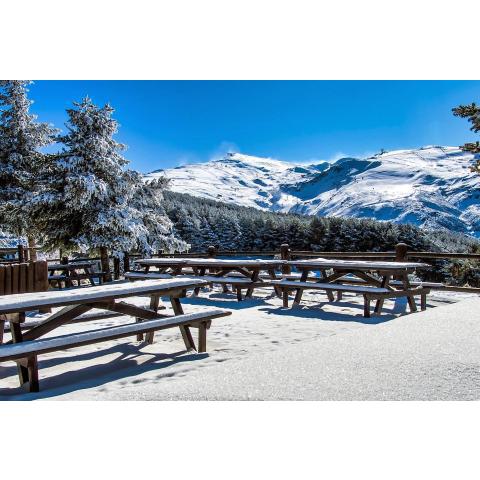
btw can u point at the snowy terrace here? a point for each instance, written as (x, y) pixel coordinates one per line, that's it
(320, 351)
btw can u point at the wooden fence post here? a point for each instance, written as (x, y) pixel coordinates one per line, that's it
(21, 254)
(401, 250)
(212, 251)
(116, 268)
(126, 262)
(105, 263)
(285, 255)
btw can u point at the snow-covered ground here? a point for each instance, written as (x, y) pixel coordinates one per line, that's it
(264, 352)
(430, 186)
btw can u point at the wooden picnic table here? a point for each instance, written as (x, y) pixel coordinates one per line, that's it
(75, 303)
(217, 268)
(391, 277)
(73, 271)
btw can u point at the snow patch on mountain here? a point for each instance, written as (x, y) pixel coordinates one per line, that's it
(431, 187)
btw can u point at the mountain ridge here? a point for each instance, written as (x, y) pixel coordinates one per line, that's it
(431, 187)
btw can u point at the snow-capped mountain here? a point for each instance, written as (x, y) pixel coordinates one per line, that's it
(430, 187)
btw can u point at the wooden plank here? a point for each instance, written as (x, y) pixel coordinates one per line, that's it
(324, 277)
(56, 320)
(358, 265)
(24, 349)
(15, 278)
(23, 278)
(2, 279)
(40, 283)
(8, 280)
(131, 310)
(30, 277)
(55, 298)
(17, 337)
(184, 330)
(202, 337)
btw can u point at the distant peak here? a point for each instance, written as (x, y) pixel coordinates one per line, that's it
(256, 162)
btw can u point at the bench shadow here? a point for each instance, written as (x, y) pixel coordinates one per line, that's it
(316, 312)
(224, 300)
(122, 367)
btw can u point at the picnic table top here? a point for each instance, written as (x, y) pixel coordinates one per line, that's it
(59, 298)
(210, 262)
(257, 262)
(71, 266)
(356, 264)
(161, 261)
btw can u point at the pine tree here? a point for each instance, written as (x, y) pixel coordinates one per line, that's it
(147, 198)
(472, 113)
(21, 162)
(86, 201)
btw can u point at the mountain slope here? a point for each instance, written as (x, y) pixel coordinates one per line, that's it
(430, 187)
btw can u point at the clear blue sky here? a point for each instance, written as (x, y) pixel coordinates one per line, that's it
(166, 123)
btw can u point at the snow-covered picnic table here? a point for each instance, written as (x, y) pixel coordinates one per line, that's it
(374, 279)
(73, 271)
(221, 270)
(75, 303)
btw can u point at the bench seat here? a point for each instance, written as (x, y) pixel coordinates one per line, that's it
(146, 276)
(25, 353)
(394, 283)
(369, 293)
(329, 286)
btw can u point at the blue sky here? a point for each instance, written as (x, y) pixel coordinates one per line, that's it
(167, 123)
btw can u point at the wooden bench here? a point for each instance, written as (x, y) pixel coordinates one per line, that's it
(59, 279)
(394, 283)
(146, 276)
(369, 293)
(25, 353)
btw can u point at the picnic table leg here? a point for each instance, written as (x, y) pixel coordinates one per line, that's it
(2, 329)
(299, 291)
(154, 301)
(410, 298)
(380, 301)
(225, 288)
(423, 302)
(273, 276)
(285, 297)
(330, 296)
(17, 337)
(202, 336)
(184, 330)
(298, 297)
(366, 306)
(253, 278)
(196, 290)
(239, 293)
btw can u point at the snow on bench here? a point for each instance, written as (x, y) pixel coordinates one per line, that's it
(369, 293)
(51, 298)
(24, 349)
(393, 282)
(227, 279)
(146, 276)
(328, 286)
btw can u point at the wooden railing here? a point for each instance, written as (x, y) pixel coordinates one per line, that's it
(400, 253)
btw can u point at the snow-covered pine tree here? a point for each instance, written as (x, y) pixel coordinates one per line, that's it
(90, 200)
(472, 113)
(147, 198)
(21, 138)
